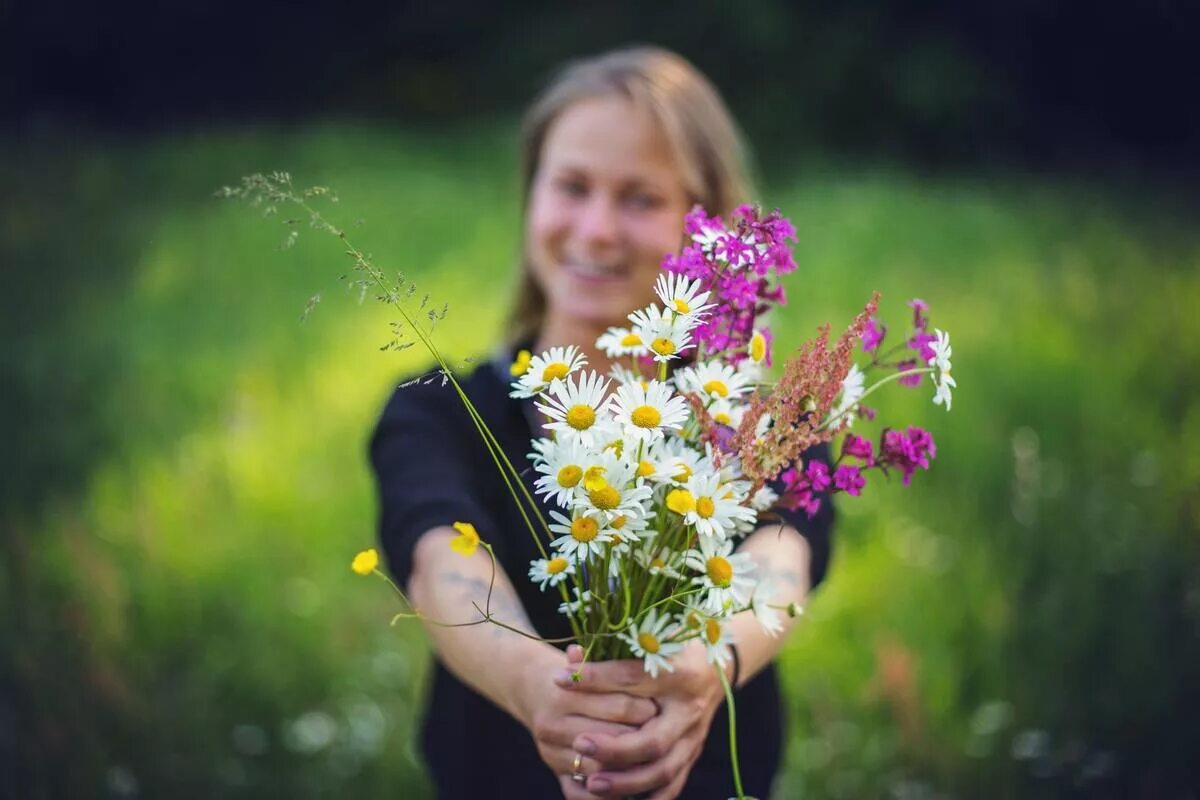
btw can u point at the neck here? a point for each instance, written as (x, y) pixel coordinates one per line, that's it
(557, 332)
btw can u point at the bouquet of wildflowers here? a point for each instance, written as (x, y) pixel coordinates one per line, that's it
(658, 468)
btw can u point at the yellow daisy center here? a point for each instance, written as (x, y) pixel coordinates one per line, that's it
(584, 529)
(657, 563)
(684, 473)
(693, 620)
(556, 565)
(619, 522)
(720, 571)
(717, 387)
(681, 306)
(758, 347)
(581, 417)
(649, 642)
(631, 340)
(605, 498)
(593, 479)
(705, 507)
(645, 469)
(569, 476)
(680, 501)
(663, 346)
(556, 369)
(646, 417)
(616, 445)
(712, 631)
(722, 418)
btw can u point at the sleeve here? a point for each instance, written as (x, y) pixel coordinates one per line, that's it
(817, 531)
(423, 451)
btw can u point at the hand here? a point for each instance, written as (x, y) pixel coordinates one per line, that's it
(659, 756)
(556, 717)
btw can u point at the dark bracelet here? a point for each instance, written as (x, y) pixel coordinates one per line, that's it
(737, 666)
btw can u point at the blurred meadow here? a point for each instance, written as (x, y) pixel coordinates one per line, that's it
(186, 477)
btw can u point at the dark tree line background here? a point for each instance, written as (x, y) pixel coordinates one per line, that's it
(1024, 81)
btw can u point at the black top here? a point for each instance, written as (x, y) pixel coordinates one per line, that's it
(432, 470)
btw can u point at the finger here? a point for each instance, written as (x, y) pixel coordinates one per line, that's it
(647, 777)
(619, 707)
(573, 790)
(675, 787)
(566, 729)
(574, 654)
(563, 761)
(649, 743)
(626, 675)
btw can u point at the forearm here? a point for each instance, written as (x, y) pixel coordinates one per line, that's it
(782, 556)
(446, 586)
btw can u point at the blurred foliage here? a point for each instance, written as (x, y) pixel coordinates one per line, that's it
(186, 482)
(940, 81)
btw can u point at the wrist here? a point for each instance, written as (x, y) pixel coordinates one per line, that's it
(533, 677)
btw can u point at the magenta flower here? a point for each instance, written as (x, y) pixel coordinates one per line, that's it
(919, 307)
(921, 342)
(859, 447)
(818, 476)
(907, 451)
(908, 380)
(872, 335)
(849, 479)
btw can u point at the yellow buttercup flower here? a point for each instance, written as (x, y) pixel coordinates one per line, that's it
(521, 365)
(365, 562)
(467, 540)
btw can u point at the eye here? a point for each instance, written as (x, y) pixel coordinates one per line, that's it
(571, 187)
(642, 201)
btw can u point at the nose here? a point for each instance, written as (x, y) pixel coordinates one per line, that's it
(598, 225)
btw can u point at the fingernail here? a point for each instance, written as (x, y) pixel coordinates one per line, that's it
(597, 784)
(586, 747)
(565, 678)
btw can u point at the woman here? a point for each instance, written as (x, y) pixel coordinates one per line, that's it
(616, 151)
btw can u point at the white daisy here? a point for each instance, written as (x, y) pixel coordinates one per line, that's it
(644, 414)
(708, 236)
(681, 295)
(646, 642)
(941, 360)
(610, 489)
(764, 498)
(725, 575)
(853, 387)
(758, 349)
(666, 333)
(726, 413)
(941, 351)
(581, 602)
(942, 393)
(575, 406)
(552, 571)
(562, 465)
(713, 380)
(553, 365)
(716, 638)
(578, 538)
(714, 508)
(768, 617)
(656, 562)
(617, 342)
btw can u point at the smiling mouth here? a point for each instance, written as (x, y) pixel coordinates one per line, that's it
(597, 271)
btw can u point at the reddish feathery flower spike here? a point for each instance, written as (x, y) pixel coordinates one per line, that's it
(803, 396)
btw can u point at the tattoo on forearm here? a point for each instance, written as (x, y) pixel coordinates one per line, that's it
(505, 606)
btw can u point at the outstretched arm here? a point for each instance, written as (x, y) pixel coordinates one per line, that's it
(513, 671)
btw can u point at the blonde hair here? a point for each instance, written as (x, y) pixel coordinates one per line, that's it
(706, 142)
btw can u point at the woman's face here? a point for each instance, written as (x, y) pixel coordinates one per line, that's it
(607, 203)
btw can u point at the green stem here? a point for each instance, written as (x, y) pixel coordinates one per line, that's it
(733, 751)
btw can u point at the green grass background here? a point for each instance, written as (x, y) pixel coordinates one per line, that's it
(186, 477)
